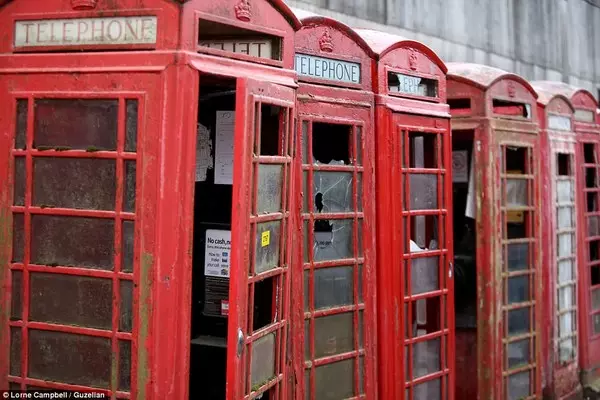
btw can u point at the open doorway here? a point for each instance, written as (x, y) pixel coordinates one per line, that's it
(465, 263)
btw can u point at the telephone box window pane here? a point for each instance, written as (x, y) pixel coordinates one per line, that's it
(596, 323)
(20, 182)
(270, 186)
(333, 192)
(518, 289)
(359, 191)
(361, 328)
(331, 144)
(16, 304)
(334, 334)
(423, 191)
(424, 275)
(333, 287)
(518, 256)
(359, 145)
(566, 350)
(518, 353)
(70, 358)
(129, 192)
(72, 241)
(81, 183)
(335, 381)
(307, 339)
(126, 318)
(267, 246)
(305, 142)
(76, 124)
(423, 150)
(566, 297)
(564, 191)
(596, 299)
(594, 226)
(306, 290)
(333, 239)
(430, 390)
(565, 244)
(518, 321)
(15, 351)
(591, 180)
(124, 365)
(516, 192)
(518, 386)
(565, 271)
(128, 245)
(21, 129)
(132, 125)
(18, 238)
(71, 300)
(426, 358)
(566, 324)
(361, 375)
(565, 219)
(263, 361)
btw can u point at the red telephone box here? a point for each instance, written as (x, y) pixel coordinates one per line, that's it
(139, 248)
(414, 246)
(560, 361)
(335, 169)
(498, 217)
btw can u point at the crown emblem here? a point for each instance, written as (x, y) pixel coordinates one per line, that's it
(412, 60)
(326, 42)
(243, 11)
(83, 4)
(512, 90)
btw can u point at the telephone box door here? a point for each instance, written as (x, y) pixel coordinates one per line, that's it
(516, 228)
(425, 266)
(257, 358)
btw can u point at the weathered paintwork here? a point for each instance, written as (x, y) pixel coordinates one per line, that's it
(480, 85)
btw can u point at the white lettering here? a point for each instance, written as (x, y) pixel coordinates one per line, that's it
(254, 48)
(86, 31)
(327, 69)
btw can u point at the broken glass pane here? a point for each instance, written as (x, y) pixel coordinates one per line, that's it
(565, 219)
(424, 275)
(263, 361)
(564, 191)
(423, 191)
(270, 186)
(565, 244)
(518, 353)
(518, 386)
(332, 191)
(426, 358)
(335, 381)
(333, 239)
(333, 287)
(334, 334)
(516, 192)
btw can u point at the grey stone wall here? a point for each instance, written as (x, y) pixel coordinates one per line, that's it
(538, 39)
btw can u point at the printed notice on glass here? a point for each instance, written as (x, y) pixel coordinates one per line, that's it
(224, 147)
(204, 160)
(216, 253)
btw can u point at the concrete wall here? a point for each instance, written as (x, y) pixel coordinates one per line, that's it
(538, 39)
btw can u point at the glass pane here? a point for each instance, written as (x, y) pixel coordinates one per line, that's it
(263, 361)
(307, 339)
(334, 334)
(430, 390)
(124, 365)
(332, 191)
(564, 217)
(81, 183)
(596, 299)
(426, 358)
(333, 239)
(425, 275)
(594, 226)
(15, 350)
(305, 193)
(333, 287)
(566, 298)
(307, 248)
(564, 191)
(359, 145)
(72, 241)
(424, 232)
(129, 191)
(423, 191)
(18, 238)
(518, 353)
(14, 386)
(516, 192)
(267, 246)
(20, 182)
(359, 192)
(335, 381)
(565, 244)
(360, 284)
(307, 385)
(518, 289)
(518, 256)
(126, 318)
(518, 386)
(270, 186)
(70, 358)
(307, 290)
(16, 303)
(361, 329)
(132, 125)
(71, 300)
(21, 125)
(566, 350)
(518, 321)
(361, 375)
(76, 124)
(127, 237)
(596, 323)
(565, 271)
(566, 324)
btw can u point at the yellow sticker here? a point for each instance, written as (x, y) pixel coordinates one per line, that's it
(265, 238)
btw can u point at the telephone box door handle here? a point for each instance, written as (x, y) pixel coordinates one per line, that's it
(240, 342)
(450, 270)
